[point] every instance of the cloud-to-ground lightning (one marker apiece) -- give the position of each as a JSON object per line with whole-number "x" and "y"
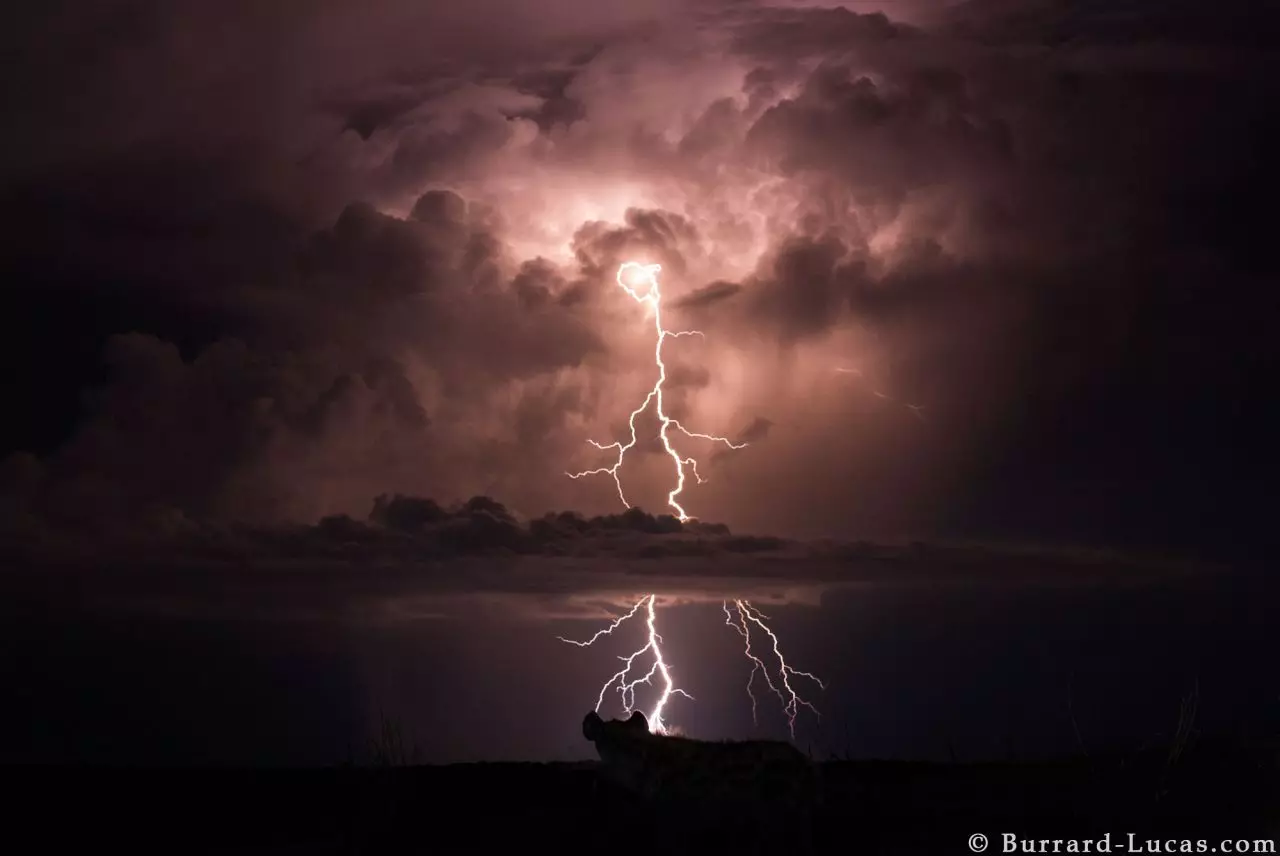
{"x": 627, "y": 688}
{"x": 791, "y": 700}
{"x": 741, "y": 616}
{"x": 640, "y": 281}
{"x": 643, "y": 288}
{"x": 916, "y": 409}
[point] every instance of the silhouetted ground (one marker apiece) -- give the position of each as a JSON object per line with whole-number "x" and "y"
{"x": 871, "y": 807}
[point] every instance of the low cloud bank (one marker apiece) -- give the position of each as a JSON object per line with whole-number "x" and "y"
{"x": 413, "y": 558}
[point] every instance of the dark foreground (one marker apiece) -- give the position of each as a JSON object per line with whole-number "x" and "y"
{"x": 871, "y": 807}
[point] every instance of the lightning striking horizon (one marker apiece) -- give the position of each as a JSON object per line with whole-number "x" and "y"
{"x": 647, "y": 275}
{"x": 746, "y": 614}
{"x": 643, "y": 288}
{"x": 791, "y": 701}
{"x": 627, "y": 689}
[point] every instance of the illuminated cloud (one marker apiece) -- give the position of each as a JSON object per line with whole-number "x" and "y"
{"x": 366, "y": 258}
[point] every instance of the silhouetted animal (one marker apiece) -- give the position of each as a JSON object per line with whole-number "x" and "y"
{"x": 761, "y": 774}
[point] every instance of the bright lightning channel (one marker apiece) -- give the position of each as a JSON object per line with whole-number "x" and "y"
{"x": 627, "y": 688}
{"x": 741, "y": 616}
{"x": 791, "y": 700}
{"x": 643, "y": 288}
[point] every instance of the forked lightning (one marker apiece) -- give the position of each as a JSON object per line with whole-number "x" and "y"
{"x": 747, "y": 615}
{"x": 641, "y": 282}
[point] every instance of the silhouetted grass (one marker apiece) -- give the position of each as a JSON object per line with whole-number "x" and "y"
{"x": 1183, "y": 783}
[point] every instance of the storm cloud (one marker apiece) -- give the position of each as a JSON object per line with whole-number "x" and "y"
{"x": 268, "y": 265}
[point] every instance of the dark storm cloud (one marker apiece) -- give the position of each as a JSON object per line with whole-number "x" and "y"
{"x": 708, "y": 295}
{"x": 1074, "y": 222}
{"x": 808, "y": 288}
{"x": 1237, "y": 25}
{"x": 551, "y": 86}
{"x": 758, "y": 429}
{"x": 322, "y": 361}
{"x": 779, "y": 33}
{"x": 920, "y": 129}
{"x": 321, "y": 271}
{"x": 415, "y": 559}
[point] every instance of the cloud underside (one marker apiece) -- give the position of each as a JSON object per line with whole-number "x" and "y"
{"x": 392, "y": 273}
{"x": 414, "y": 560}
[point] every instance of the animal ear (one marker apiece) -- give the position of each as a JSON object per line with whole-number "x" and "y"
{"x": 638, "y": 721}
{"x": 591, "y": 725}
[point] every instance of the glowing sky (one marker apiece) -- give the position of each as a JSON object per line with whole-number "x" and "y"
{"x": 962, "y": 270}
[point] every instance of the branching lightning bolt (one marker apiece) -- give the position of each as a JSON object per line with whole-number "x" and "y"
{"x": 627, "y": 688}
{"x": 643, "y": 288}
{"x": 740, "y": 618}
{"x": 647, "y": 275}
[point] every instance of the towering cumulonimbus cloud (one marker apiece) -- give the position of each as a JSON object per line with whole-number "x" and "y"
{"x": 365, "y": 257}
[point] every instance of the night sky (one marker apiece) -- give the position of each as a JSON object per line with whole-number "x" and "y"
{"x": 310, "y": 308}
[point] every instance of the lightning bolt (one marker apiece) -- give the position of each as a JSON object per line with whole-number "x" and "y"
{"x": 644, "y": 289}
{"x": 916, "y": 409}
{"x": 741, "y": 616}
{"x": 740, "y": 625}
{"x": 627, "y": 688}
{"x": 747, "y": 615}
